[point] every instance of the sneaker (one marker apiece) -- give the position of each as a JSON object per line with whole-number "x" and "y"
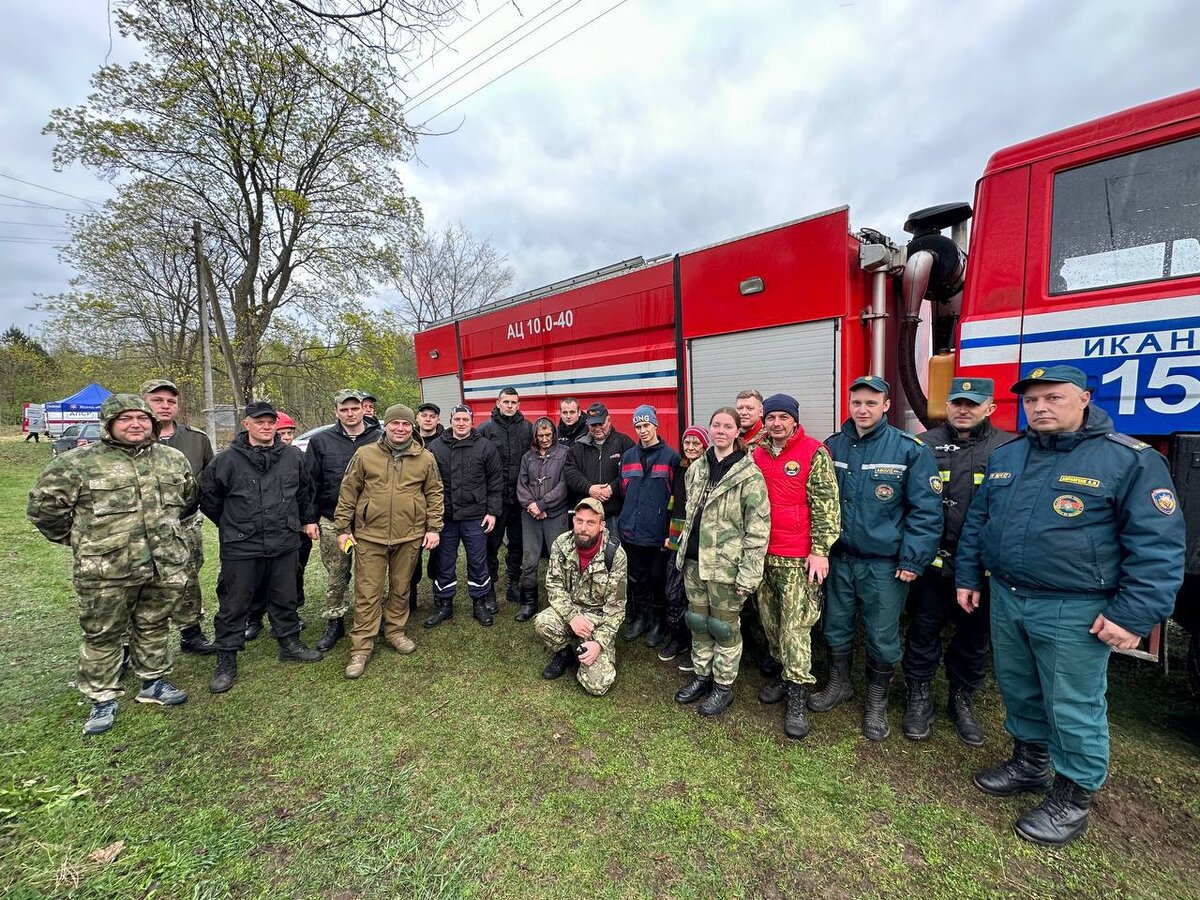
{"x": 100, "y": 719}
{"x": 162, "y": 692}
{"x": 685, "y": 661}
{"x": 669, "y": 650}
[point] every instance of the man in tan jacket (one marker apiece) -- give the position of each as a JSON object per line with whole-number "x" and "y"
{"x": 389, "y": 509}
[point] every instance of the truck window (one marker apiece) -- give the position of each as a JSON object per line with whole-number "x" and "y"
{"x": 1127, "y": 219}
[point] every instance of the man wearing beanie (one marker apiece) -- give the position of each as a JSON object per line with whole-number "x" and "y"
{"x": 389, "y": 509}
{"x": 805, "y": 522}
{"x": 648, "y": 473}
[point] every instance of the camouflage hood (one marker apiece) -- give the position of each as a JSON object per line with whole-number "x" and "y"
{"x": 119, "y": 403}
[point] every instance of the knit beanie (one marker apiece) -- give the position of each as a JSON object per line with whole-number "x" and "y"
{"x": 399, "y": 411}
{"x": 781, "y": 403}
{"x": 700, "y": 433}
{"x": 645, "y": 413}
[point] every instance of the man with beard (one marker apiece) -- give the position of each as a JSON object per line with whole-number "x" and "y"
{"x": 512, "y": 435}
{"x": 571, "y": 426}
{"x": 585, "y": 584}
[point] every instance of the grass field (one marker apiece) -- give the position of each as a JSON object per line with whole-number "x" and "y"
{"x": 458, "y": 772}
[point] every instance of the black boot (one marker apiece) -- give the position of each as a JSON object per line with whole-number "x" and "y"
{"x": 918, "y": 711}
{"x": 1060, "y": 818}
{"x": 657, "y": 635}
{"x": 335, "y": 630}
{"x": 773, "y": 691}
{"x": 636, "y": 622}
{"x": 717, "y": 701}
{"x": 875, "y": 722}
{"x": 962, "y": 714}
{"x": 838, "y": 689}
{"x": 126, "y": 662}
{"x": 226, "y": 672}
{"x": 482, "y": 614}
{"x": 512, "y": 592}
{"x": 490, "y": 602}
{"x": 559, "y": 663}
{"x": 292, "y": 649}
{"x": 529, "y": 605}
{"x": 192, "y": 640}
{"x": 1027, "y": 770}
{"x": 795, "y": 720}
{"x": 442, "y": 610}
{"x": 770, "y": 666}
{"x": 254, "y": 628}
{"x": 698, "y": 687}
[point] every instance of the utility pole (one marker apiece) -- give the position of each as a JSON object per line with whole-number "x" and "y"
{"x": 210, "y": 422}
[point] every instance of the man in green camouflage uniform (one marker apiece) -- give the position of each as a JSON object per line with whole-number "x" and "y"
{"x": 585, "y": 584}
{"x": 805, "y": 522}
{"x": 119, "y": 504}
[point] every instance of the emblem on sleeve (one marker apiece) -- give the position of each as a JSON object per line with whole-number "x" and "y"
{"x": 791, "y": 468}
{"x": 1068, "y": 506}
{"x": 1164, "y": 499}
{"x": 885, "y": 492}
{"x": 936, "y": 484}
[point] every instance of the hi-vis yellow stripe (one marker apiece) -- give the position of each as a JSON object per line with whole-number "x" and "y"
{"x": 978, "y": 478}
{"x": 945, "y": 473}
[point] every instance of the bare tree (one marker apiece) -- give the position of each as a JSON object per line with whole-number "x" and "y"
{"x": 448, "y": 273}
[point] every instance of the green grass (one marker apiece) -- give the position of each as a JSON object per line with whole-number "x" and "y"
{"x": 458, "y": 772}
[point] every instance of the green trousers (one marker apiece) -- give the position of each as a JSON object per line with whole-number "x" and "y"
{"x": 1053, "y": 675}
{"x": 189, "y": 611}
{"x": 108, "y": 615}
{"x": 872, "y": 585}
{"x": 338, "y": 569}
{"x": 555, "y": 632}
{"x": 789, "y": 605}
{"x": 718, "y": 657}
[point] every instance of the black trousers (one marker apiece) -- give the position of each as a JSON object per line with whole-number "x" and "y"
{"x": 647, "y": 568}
{"x": 258, "y": 608}
{"x": 932, "y": 606}
{"x": 507, "y": 531}
{"x": 240, "y": 581}
{"x": 431, "y": 569}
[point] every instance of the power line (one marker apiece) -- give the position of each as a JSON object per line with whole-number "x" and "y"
{"x": 522, "y": 62}
{"x": 40, "y": 205}
{"x": 43, "y": 187}
{"x": 451, "y": 43}
{"x": 32, "y": 224}
{"x": 498, "y": 40}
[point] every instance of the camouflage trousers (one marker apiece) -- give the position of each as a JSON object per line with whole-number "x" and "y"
{"x": 718, "y": 657}
{"x": 338, "y": 567}
{"x": 553, "y": 631}
{"x": 789, "y": 605}
{"x": 108, "y": 614}
{"x": 189, "y": 611}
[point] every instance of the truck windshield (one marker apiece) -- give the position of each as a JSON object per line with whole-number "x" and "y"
{"x": 1127, "y": 219}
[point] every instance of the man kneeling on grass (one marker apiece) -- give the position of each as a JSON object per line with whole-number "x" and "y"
{"x": 585, "y": 584}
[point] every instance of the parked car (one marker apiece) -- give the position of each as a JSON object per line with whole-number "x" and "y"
{"x": 75, "y": 436}
{"x": 302, "y": 441}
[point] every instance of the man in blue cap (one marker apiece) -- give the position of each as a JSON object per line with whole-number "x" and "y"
{"x": 891, "y": 523}
{"x": 1081, "y": 533}
{"x": 961, "y": 446}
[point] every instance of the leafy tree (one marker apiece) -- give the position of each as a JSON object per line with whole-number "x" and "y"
{"x": 25, "y": 371}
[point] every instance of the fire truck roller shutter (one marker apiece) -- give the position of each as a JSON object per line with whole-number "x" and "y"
{"x": 443, "y": 390}
{"x": 801, "y": 360}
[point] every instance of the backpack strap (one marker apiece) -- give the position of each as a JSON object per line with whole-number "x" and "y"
{"x": 610, "y": 553}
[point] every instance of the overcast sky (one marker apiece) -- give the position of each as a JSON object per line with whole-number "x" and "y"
{"x": 665, "y": 124}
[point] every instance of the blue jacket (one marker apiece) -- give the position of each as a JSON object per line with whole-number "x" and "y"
{"x": 1082, "y": 514}
{"x": 891, "y": 496}
{"x": 647, "y": 481}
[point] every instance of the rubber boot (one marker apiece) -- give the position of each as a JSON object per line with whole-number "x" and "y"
{"x": 962, "y": 714}
{"x": 512, "y": 592}
{"x": 442, "y": 610}
{"x": 292, "y": 649}
{"x": 335, "y": 630}
{"x": 482, "y": 614}
{"x": 918, "y": 710}
{"x": 1060, "y": 818}
{"x": 875, "y": 722}
{"x": 698, "y": 687}
{"x": 1028, "y": 769}
{"x": 657, "y": 634}
{"x": 226, "y": 672}
{"x": 795, "y": 719}
{"x": 529, "y": 605}
{"x": 490, "y": 602}
{"x": 192, "y": 640}
{"x": 717, "y": 701}
{"x": 636, "y": 622}
{"x": 837, "y": 690}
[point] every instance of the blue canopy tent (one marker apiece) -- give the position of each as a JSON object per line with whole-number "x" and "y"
{"x": 80, "y": 407}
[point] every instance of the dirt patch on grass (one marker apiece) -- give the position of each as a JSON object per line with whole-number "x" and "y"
{"x": 1130, "y": 815}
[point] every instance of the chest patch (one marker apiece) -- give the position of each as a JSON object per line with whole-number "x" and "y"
{"x": 791, "y": 468}
{"x": 936, "y": 484}
{"x": 885, "y": 492}
{"x": 1068, "y": 506}
{"x": 1164, "y": 500}
{"x": 999, "y": 476}
{"x": 1080, "y": 480}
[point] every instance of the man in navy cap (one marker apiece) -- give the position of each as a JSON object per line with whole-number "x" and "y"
{"x": 961, "y": 447}
{"x": 891, "y": 499}
{"x": 1081, "y": 533}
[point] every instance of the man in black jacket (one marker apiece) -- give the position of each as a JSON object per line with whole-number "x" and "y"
{"x": 512, "y": 435}
{"x": 473, "y": 494}
{"x": 256, "y": 490}
{"x": 429, "y": 428}
{"x": 961, "y": 446}
{"x": 328, "y": 454}
{"x": 571, "y": 426}
{"x": 594, "y": 466}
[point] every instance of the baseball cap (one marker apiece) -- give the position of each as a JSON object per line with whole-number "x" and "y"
{"x": 590, "y": 503}
{"x": 977, "y": 390}
{"x": 257, "y": 408}
{"x": 1051, "y": 375}
{"x": 155, "y": 383}
{"x": 367, "y": 395}
{"x": 343, "y": 396}
{"x": 437, "y": 410}
{"x": 874, "y": 382}
{"x": 596, "y": 414}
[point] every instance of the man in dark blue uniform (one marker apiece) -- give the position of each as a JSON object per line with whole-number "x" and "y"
{"x": 1080, "y": 530}
{"x": 961, "y": 446}
{"x": 891, "y": 524}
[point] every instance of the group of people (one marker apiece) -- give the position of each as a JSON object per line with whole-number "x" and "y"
{"x": 1049, "y": 549}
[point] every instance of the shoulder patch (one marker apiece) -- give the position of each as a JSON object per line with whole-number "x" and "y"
{"x": 1126, "y": 441}
{"x": 912, "y": 437}
{"x": 1164, "y": 500}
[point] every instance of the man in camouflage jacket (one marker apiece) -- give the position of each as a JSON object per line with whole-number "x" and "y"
{"x": 585, "y": 584}
{"x": 118, "y": 504}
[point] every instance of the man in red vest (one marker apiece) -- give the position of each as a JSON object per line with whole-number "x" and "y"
{"x": 805, "y": 522}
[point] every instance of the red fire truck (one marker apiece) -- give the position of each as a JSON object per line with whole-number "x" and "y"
{"x": 1084, "y": 248}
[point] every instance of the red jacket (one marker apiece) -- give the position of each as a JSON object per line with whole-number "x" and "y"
{"x": 787, "y": 487}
